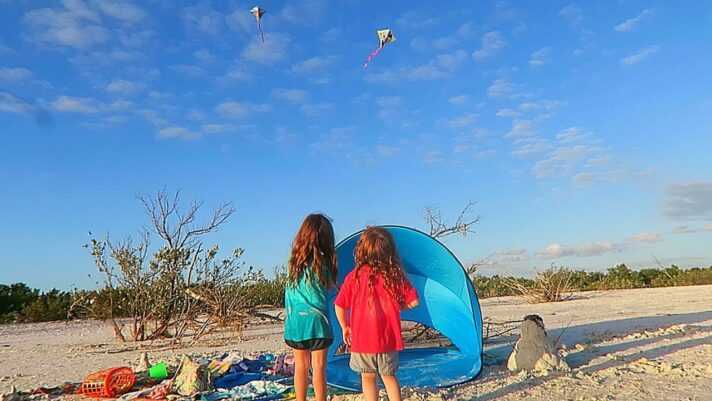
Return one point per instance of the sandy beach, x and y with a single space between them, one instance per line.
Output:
645 344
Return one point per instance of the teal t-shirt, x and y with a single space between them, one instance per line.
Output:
307 316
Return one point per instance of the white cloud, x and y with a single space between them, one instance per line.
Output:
316 109
504 257
461 148
125 12
241 20
123 87
434 157
305 12
135 39
314 64
83 105
331 35
390 108
486 154
440 67
414 20
217 128
120 105
291 95
177 132
459 100
500 88
272 51
242 109
203 55
641 55
463 121
14 75
539 57
507 113
555 250
75 26
11 104
337 140
649 237
152 117
387 151
528 146
572 13
631 24
466 30
187 70
5 48
562 161
236 74
521 128
683 230
203 18
688 201
492 43
708 228
573 134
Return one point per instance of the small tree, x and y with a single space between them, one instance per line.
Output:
182 281
551 285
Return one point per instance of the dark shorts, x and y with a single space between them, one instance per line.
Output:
312 344
385 363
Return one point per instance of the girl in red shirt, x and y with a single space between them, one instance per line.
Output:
374 293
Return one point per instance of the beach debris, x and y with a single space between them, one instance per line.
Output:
143 363
385 36
108 383
534 351
258 13
192 378
13 395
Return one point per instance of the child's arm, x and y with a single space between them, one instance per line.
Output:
412 304
344 323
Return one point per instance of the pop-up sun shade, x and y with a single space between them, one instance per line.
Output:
447 303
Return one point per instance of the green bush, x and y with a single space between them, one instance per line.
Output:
52 305
618 277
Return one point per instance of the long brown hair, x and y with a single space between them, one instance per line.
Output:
314 244
377 249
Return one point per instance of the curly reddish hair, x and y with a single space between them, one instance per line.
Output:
377 249
314 244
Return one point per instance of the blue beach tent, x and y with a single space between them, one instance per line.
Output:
447 303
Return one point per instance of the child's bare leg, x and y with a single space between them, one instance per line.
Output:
318 363
301 373
369 386
392 387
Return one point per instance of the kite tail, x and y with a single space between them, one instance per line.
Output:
372 55
262 35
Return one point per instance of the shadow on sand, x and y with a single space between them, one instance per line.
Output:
592 334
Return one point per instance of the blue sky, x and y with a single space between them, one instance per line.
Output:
581 129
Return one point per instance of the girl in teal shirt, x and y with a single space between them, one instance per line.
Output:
311 272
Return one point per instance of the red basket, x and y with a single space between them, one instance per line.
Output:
108 383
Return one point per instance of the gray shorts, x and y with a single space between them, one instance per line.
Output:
385 363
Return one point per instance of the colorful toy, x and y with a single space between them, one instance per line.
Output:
158 371
108 383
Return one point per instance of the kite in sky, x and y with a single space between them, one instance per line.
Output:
384 36
258 13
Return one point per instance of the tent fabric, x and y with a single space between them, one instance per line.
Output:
447 303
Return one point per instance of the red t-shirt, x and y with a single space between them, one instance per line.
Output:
375 318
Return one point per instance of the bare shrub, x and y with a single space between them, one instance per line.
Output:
182 288
551 285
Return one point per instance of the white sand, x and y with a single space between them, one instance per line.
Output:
648 344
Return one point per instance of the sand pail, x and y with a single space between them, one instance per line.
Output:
158 371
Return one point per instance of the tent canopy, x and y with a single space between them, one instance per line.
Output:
447 303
